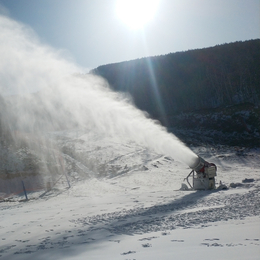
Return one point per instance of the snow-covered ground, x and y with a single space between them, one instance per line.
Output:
137 210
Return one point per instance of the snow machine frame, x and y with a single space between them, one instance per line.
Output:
203 175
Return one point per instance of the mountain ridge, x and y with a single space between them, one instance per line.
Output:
173 87
226 74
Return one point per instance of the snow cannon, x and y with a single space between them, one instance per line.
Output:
203 175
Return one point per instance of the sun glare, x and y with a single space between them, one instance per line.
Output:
136 13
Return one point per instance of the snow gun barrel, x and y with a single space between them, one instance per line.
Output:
199 164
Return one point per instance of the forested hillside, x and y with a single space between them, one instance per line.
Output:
212 94
223 75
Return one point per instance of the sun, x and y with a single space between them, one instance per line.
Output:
136 13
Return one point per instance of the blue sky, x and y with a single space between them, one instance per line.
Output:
92 33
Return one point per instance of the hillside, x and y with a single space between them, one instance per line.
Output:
223 81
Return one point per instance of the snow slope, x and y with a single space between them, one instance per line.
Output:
135 210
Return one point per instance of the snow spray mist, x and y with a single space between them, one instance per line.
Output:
45 92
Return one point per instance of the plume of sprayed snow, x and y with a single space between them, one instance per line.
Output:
26 65
62 99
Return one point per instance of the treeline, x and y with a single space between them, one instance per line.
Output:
219 76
